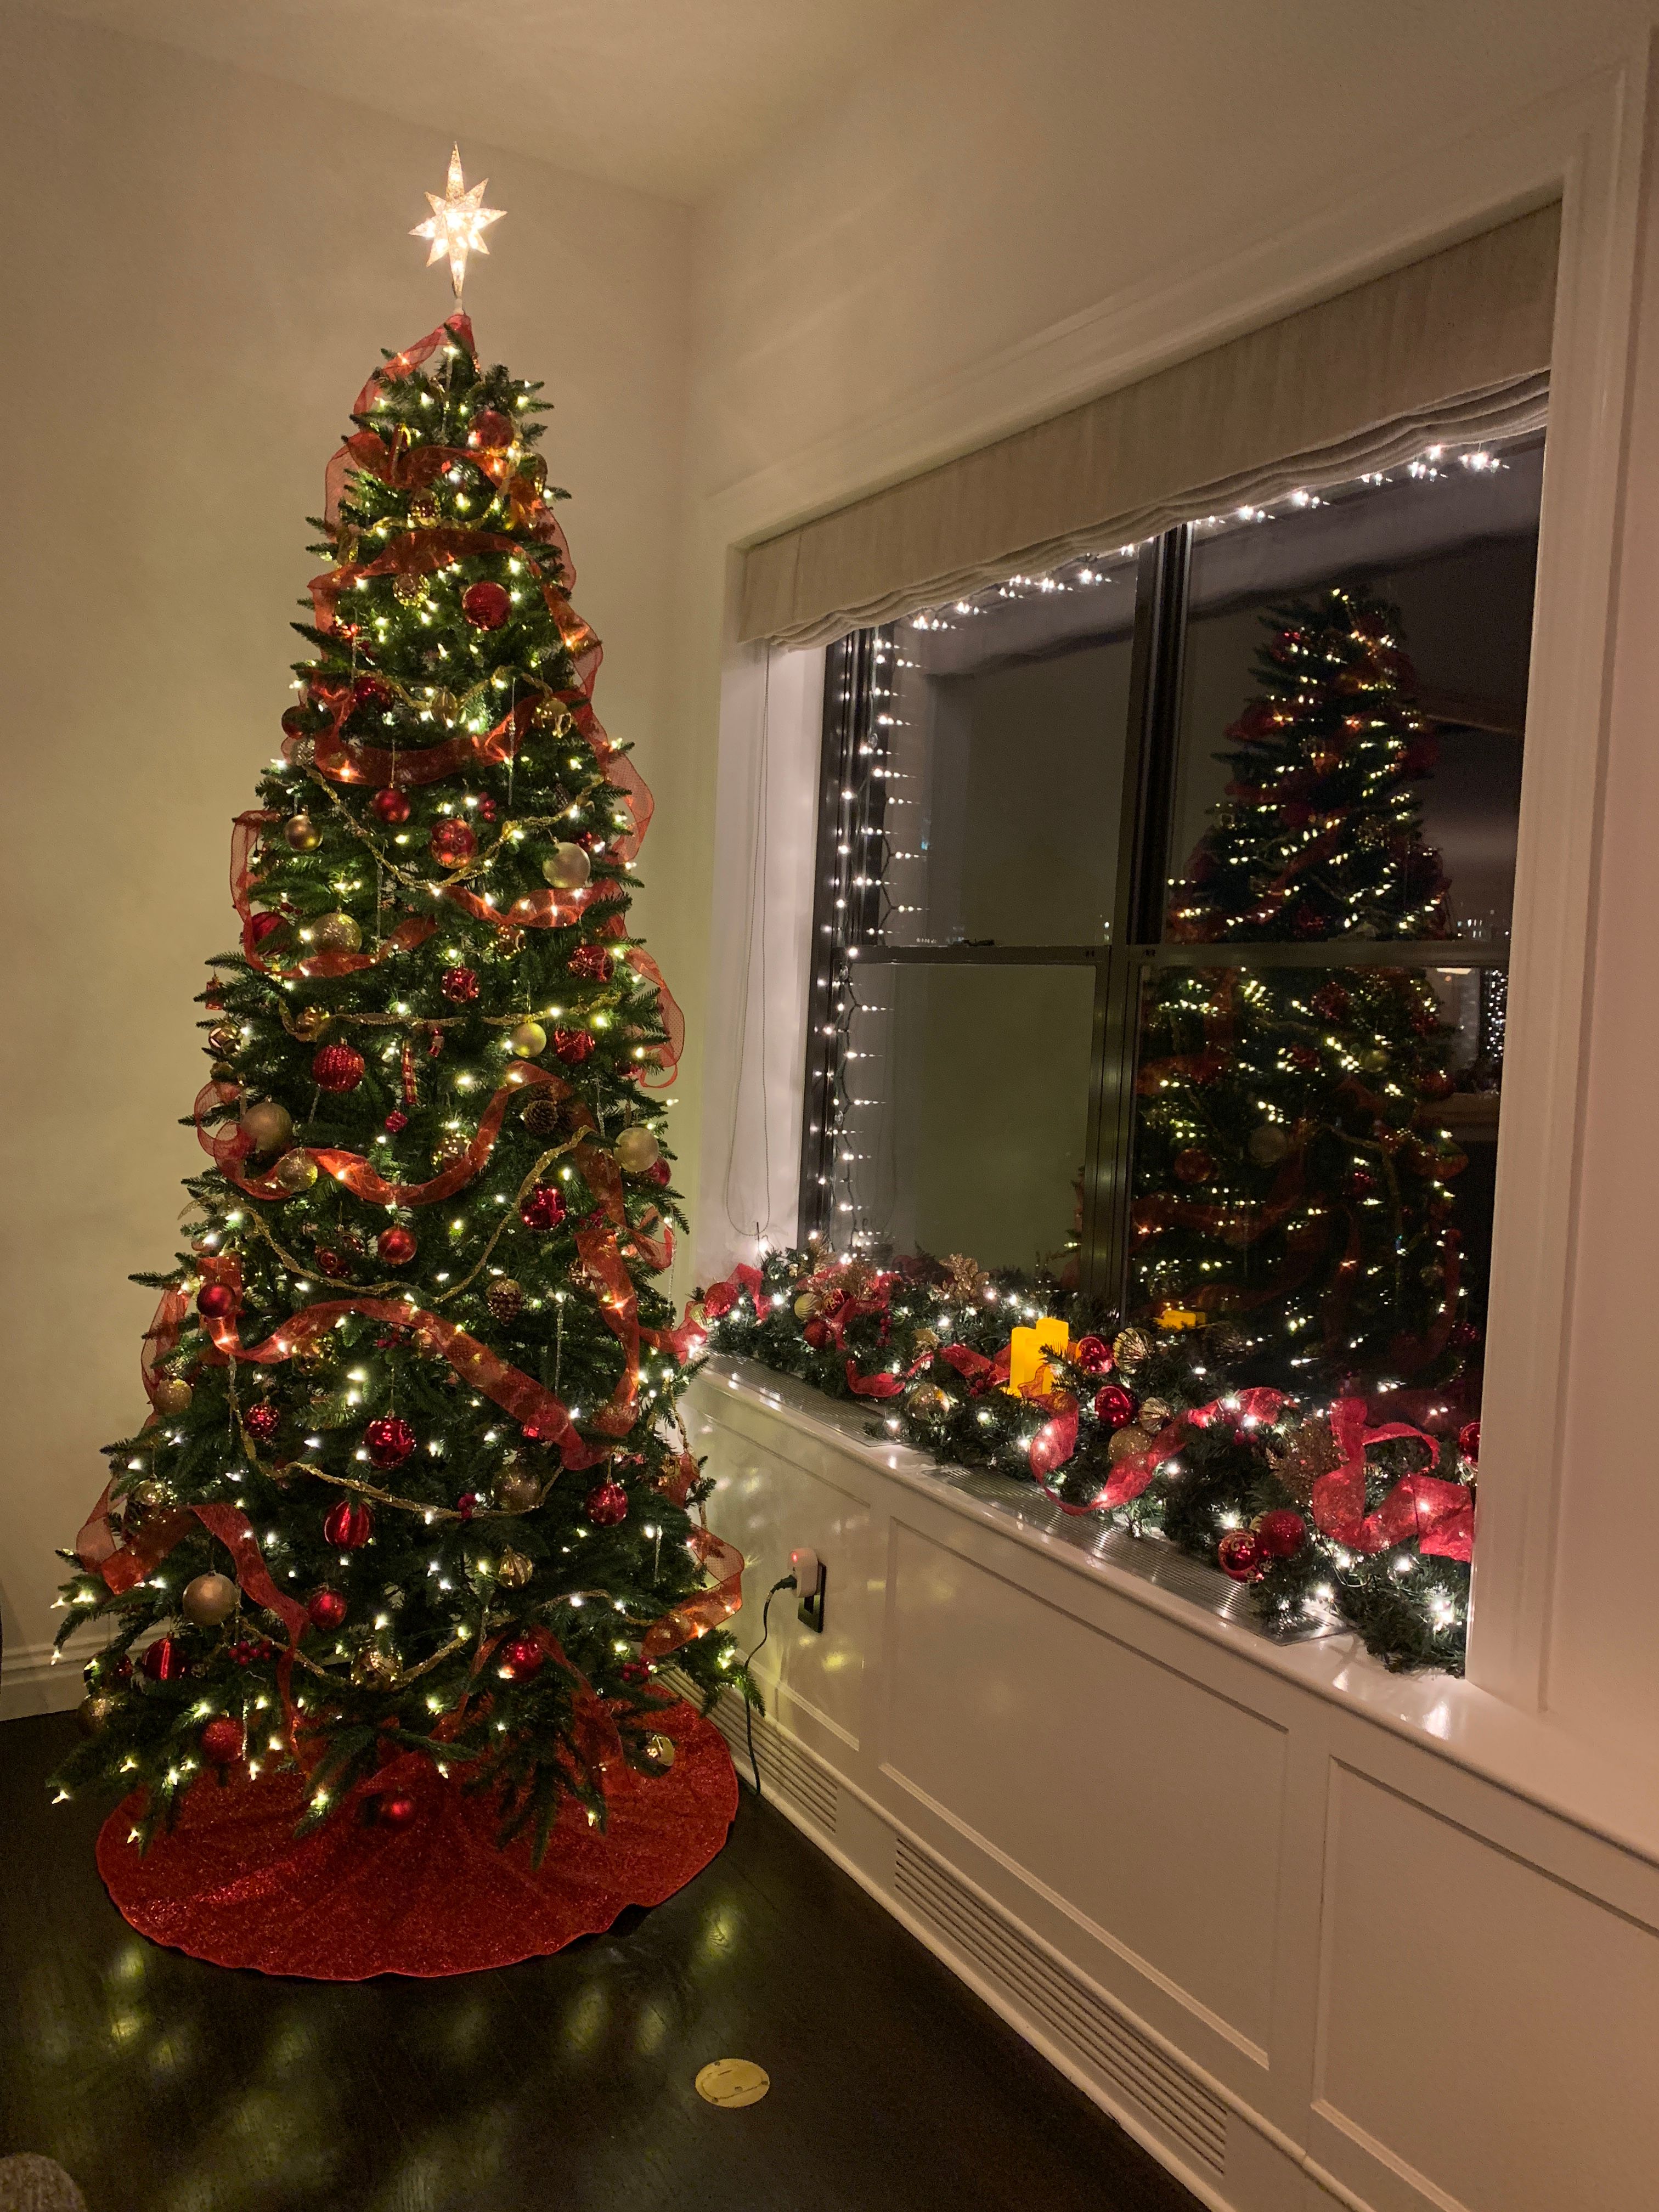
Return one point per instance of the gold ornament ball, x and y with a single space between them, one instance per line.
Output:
450 1147
1268 1144
374 1669
445 705
301 834
409 590
336 932
927 1402
309 1024
94 1712
1129 1347
224 1071
295 1171
150 1493
423 509
637 1150
528 1040
172 1395
658 1752
805 1306
567 867
517 1491
223 1041
1125 1443
210 1599
266 1125
513 1571
1153 1415
505 1299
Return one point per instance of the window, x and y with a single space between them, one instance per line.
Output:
1162 915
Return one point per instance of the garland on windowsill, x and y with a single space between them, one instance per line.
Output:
1333 1513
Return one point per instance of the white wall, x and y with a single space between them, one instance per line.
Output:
208 265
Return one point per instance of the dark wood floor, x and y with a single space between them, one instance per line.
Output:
166 2085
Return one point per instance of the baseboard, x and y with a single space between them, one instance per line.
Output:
29 1683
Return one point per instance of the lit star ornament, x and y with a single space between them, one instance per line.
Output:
458 222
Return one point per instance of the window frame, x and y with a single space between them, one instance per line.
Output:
852 811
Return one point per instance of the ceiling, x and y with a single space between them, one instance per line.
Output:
670 95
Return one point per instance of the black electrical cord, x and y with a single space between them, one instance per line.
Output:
783 1582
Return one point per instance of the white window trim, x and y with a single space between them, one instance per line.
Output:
1585 146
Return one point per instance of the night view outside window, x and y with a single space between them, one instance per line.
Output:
1163 924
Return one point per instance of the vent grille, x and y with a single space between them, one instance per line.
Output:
1183 2108
784 1769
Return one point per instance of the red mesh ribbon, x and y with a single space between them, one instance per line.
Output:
1438 1516
1056 1440
710 1608
162 1339
233 1885
337 477
529 1402
978 1372
355 1174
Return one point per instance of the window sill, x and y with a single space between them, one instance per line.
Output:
1615 1796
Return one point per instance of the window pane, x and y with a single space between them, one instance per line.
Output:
964 1112
1306 1171
999 748
1352 709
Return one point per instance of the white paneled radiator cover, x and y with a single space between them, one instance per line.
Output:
1248 1899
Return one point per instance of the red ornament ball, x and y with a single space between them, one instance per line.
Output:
574 1045
1331 1001
486 606
1193 1164
1092 1354
662 1173
215 1300
452 843
460 985
164 1662
1114 1407
331 1263
522 1659
397 1120
543 1208
348 1525
396 1811
817 1334
1281 1533
295 722
1469 1441
396 1247
592 964
1435 1082
337 1067
389 1440
262 925
389 806
370 691
221 1740
490 428
606 1505
325 1608
262 1422
1240 1555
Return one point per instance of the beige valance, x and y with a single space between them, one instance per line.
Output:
1455 347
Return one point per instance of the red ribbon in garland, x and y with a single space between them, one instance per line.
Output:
1438 1516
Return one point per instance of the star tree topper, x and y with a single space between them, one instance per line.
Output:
458 222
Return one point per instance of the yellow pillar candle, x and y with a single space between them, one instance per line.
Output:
1026 1347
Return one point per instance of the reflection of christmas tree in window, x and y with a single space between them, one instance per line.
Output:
1290 1175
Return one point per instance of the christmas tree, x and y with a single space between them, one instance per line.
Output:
1290 1177
412 1478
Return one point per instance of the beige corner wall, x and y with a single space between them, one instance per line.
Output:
208 265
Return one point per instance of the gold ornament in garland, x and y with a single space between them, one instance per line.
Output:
927 1402
1300 1457
963 1276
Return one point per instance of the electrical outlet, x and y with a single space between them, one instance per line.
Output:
809 1572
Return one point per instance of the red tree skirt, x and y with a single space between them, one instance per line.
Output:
231 1884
